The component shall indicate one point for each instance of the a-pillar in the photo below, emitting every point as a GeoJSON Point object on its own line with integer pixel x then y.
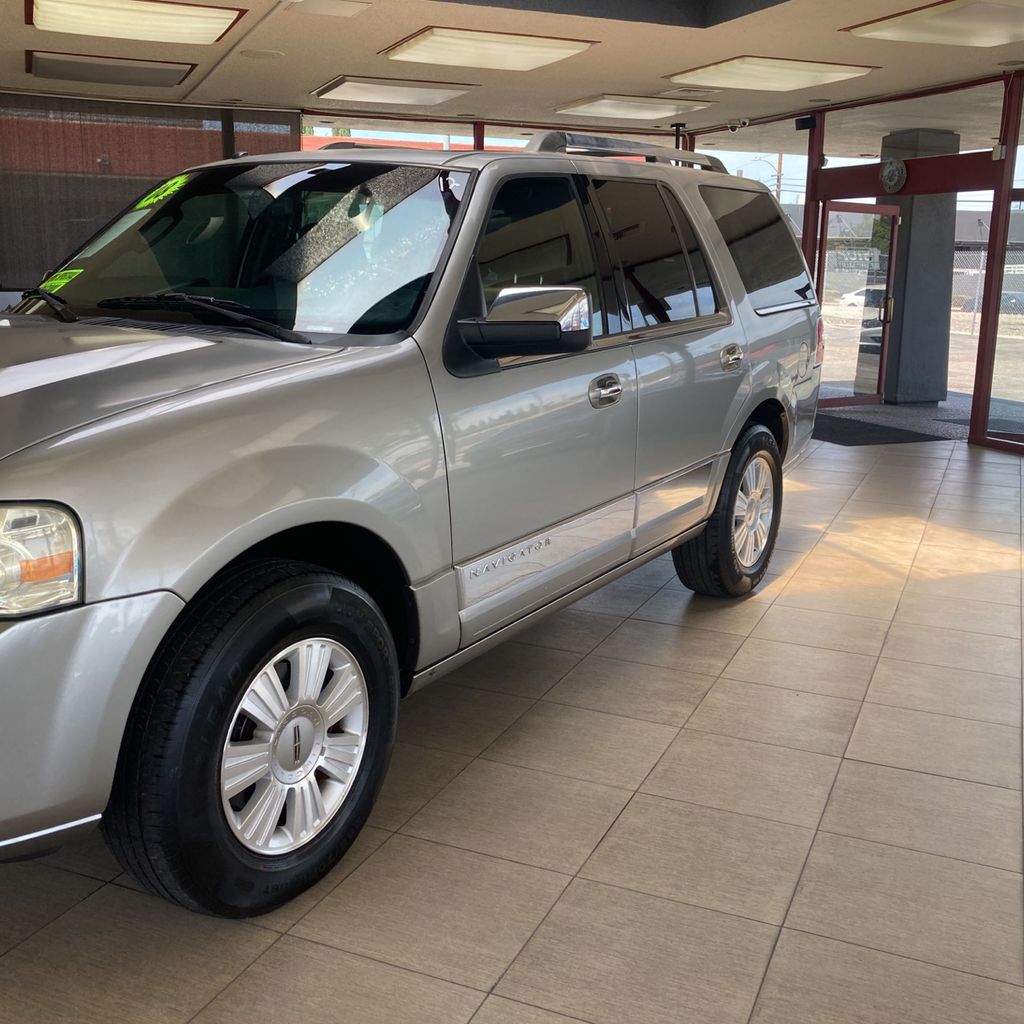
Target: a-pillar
{"type": "Point", "coordinates": [917, 366]}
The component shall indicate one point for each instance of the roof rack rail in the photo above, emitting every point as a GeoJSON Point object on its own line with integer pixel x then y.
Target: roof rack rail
{"type": "Point", "coordinates": [602, 145]}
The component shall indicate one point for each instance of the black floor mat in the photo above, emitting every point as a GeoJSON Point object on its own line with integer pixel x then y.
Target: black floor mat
{"type": "Point", "coordinates": [842, 430]}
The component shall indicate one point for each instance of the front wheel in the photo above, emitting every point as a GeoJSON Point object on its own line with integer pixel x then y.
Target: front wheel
{"type": "Point", "coordinates": [731, 556]}
{"type": "Point", "coordinates": [258, 742]}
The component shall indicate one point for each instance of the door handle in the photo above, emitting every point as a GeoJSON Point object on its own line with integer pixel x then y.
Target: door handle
{"type": "Point", "coordinates": [732, 357]}
{"type": "Point", "coordinates": [606, 390]}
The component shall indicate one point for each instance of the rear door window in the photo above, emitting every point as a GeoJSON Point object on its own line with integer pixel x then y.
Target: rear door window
{"type": "Point", "coordinates": [762, 247]}
{"type": "Point", "coordinates": [659, 288]}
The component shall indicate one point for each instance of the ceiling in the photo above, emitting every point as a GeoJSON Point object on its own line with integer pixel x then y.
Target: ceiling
{"type": "Point", "coordinates": [277, 56]}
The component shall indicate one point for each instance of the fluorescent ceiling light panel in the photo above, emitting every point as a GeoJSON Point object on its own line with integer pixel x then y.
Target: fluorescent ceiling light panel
{"type": "Point", "coordinates": [75, 67]}
{"type": "Point", "coordinates": [497, 51]}
{"type": "Point", "coordinates": [768, 74]}
{"type": "Point", "coordinates": [135, 19]}
{"type": "Point", "coordinates": [633, 108]}
{"type": "Point", "coordinates": [389, 90]}
{"type": "Point", "coordinates": [955, 23]}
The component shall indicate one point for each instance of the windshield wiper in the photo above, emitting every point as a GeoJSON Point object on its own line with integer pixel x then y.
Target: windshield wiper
{"type": "Point", "coordinates": [55, 302]}
{"type": "Point", "coordinates": [227, 309]}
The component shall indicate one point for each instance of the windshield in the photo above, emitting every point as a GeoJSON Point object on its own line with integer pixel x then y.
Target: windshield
{"type": "Point", "coordinates": [334, 247]}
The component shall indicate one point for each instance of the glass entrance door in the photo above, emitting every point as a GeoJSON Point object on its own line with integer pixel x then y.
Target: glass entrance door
{"type": "Point", "coordinates": [855, 273]}
{"type": "Point", "coordinates": [1006, 402]}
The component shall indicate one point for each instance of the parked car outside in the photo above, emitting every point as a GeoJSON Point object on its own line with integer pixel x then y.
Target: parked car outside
{"type": "Point", "coordinates": [297, 434]}
{"type": "Point", "coordinates": [1009, 302]}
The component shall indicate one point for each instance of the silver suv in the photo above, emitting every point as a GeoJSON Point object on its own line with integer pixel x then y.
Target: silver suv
{"type": "Point", "coordinates": [295, 435]}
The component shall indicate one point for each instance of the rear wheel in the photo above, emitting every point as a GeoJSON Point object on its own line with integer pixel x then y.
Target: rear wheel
{"type": "Point", "coordinates": [732, 555]}
{"type": "Point", "coordinates": [258, 742]}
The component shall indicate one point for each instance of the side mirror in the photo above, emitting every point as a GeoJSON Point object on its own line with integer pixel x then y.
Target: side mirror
{"type": "Point", "coordinates": [531, 321]}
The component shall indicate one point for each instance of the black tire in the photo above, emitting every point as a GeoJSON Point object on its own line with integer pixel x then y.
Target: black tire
{"type": "Point", "coordinates": [708, 563]}
{"type": "Point", "coordinates": [165, 821]}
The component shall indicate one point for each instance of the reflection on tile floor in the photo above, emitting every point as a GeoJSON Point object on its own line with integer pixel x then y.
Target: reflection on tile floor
{"type": "Point", "coordinates": [797, 808]}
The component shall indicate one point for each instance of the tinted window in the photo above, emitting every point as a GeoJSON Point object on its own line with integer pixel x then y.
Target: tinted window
{"type": "Point", "coordinates": [644, 239]}
{"type": "Point", "coordinates": [761, 246]}
{"type": "Point", "coordinates": [535, 236]}
{"type": "Point", "coordinates": [706, 301]}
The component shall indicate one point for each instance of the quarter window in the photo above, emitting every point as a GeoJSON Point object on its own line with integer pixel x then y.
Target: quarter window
{"type": "Point", "coordinates": [761, 246]}
{"type": "Point", "coordinates": [535, 235]}
{"type": "Point", "coordinates": [659, 289]}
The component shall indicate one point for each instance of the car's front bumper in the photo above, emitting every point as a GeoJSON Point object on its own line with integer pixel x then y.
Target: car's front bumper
{"type": "Point", "coordinates": [67, 683]}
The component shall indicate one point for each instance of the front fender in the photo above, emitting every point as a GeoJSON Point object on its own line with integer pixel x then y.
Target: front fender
{"type": "Point", "coordinates": [169, 494]}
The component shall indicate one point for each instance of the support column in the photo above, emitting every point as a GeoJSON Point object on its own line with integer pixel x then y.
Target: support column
{"type": "Point", "coordinates": [917, 367]}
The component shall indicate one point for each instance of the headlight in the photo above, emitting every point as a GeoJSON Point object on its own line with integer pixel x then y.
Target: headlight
{"type": "Point", "coordinates": [40, 562]}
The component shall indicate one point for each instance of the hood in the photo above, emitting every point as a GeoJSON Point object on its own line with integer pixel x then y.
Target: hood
{"type": "Point", "coordinates": [56, 376]}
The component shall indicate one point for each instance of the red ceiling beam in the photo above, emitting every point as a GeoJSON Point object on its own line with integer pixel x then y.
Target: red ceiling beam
{"type": "Point", "coordinates": [926, 175]}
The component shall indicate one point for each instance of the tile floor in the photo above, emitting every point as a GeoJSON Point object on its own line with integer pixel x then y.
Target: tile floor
{"type": "Point", "coordinates": [800, 808]}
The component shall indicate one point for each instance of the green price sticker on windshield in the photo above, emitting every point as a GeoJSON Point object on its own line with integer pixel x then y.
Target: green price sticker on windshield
{"type": "Point", "coordinates": [162, 192]}
{"type": "Point", "coordinates": [55, 282]}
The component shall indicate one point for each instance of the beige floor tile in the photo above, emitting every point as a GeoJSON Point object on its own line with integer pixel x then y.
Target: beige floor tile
{"type": "Point", "coordinates": [652, 643]}
{"type": "Point", "coordinates": [769, 714]}
{"type": "Point", "coordinates": [974, 489]}
{"type": "Point", "coordinates": [416, 775]}
{"type": "Point", "coordinates": [284, 918]}
{"type": "Point", "coordinates": [620, 598]}
{"type": "Point", "coordinates": [946, 691]}
{"type": "Point", "coordinates": [893, 547]}
{"type": "Point", "coordinates": [797, 538]}
{"type": "Point", "coordinates": [958, 581]}
{"type": "Point", "coordinates": [812, 669]}
{"type": "Point", "coordinates": [930, 645]}
{"type": "Point", "coordinates": [942, 911]}
{"type": "Point", "coordinates": [984, 475]}
{"type": "Point", "coordinates": [497, 1010]}
{"type": "Point", "coordinates": [850, 633]}
{"type": "Point", "coordinates": [654, 573]}
{"type": "Point", "coordinates": [571, 630]}
{"type": "Point", "coordinates": [456, 718]}
{"type": "Point", "coordinates": [86, 853]}
{"type": "Point", "coordinates": [1004, 562]}
{"type": "Point", "coordinates": [32, 895]}
{"type": "Point", "coordinates": [120, 957]}
{"type": "Point", "coordinates": [749, 778]}
{"type": "Point", "coordinates": [784, 563]}
{"type": "Point", "coordinates": [999, 522]}
{"type": "Point", "coordinates": [287, 986]}
{"type": "Point", "coordinates": [928, 813]}
{"type": "Point", "coordinates": [971, 539]}
{"type": "Point", "coordinates": [844, 566]}
{"type": "Point", "coordinates": [448, 913]}
{"type": "Point", "coordinates": [813, 980]}
{"type": "Point", "coordinates": [883, 514]}
{"type": "Point", "coordinates": [970, 502]}
{"type": "Point", "coordinates": [520, 814]}
{"type": "Point", "coordinates": [632, 690]}
{"type": "Point", "coordinates": [922, 497]}
{"type": "Point", "coordinates": [961, 614]}
{"type": "Point", "coordinates": [678, 607]}
{"type": "Point", "coordinates": [611, 956]}
{"type": "Point", "coordinates": [703, 856]}
{"type": "Point", "coordinates": [583, 744]}
{"type": "Point", "coordinates": [851, 596]}
{"type": "Point", "coordinates": [937, 744]}
{"type": "Point", "coordinates": [520, 669]}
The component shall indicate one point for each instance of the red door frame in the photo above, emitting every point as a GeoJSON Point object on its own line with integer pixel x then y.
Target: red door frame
{"type": "Point", "coordinates": [873, 209]}
{"type": "Point", "coordinates": [998, 237]}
